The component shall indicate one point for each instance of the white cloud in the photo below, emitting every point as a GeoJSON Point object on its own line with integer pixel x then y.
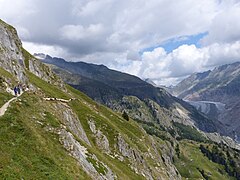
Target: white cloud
{"type": "Point", "coordinates": [39, 48]}
{"type": "Point", "coordinates": [133, 55]}
{"type": "Point", "coordinates": [127, 25]}
{"type": "Point", "coordinates": [186, 59]}
{"type": "Point", "coordinates": [90, 8]}
{"type": "Point", "coordinates": [112, 32]}
{"type": "Point", "coordinates": [23, 32]}
{"type": "Point", "coordinates": [78, 32]}
{"type": "Point", "coordinates": [153, 62]}
{"type": "Point", "coordinates": [169, 81]}
{"type": "Point", "coordinates": [15, 11]}
{"type": "Point", "coordinates": [225, 27]}
{"type": "Point", "coordinates": [219, 54]}
{"type": "Point", "coordinates": [169, 68]}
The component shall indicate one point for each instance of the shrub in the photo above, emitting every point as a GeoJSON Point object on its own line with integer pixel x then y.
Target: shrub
{"type": "Point", "coordinates": [125, 116]}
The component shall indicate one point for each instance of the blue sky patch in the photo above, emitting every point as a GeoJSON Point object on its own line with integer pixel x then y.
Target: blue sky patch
{"type": "Point", "coordinates": [174, 43]}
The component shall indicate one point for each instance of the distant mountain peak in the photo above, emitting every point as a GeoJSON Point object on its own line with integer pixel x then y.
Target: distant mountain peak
{"type": "Point", "coordinates": [149, 81]}
{"type": "Point", "coordinates": [40, 55]}
{"type": "Point", "coordinates": [225, 66]}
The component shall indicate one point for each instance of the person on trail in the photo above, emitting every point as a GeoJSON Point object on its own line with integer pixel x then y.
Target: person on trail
{"type": "Point", "coordinates": [23, 87]}
{"type": "Point", "coordinates": [15, 91]}
{"type": "Point", "coordinates": [18, 90]}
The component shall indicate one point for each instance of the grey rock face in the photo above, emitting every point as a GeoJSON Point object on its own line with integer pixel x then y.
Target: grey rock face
{"type": "Point", "coordinates": [11, 57]}
{"type": "Point", "coordinates": [81, 154]}
{"type": "Point", "coordinates": [71, 121]}
{"type": "Point", "coordinates": [101, 139]}
{"type": "Point", "coordinates": [127, 151]}
{"type": "Point", "coordinates": [223, 139]}
{"type": "Point", "coordinates": [44, 72]}
{"type": "Point", "coordinates": [164, 169]}
{"type": "Point", "coordinates": [138, 163]}
{"type": "Point", "coordinates": [166, 158]}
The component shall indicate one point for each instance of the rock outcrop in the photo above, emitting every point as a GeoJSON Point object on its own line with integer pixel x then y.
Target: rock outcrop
{"type": "Point", "coordinates": [16, 60]}
{"type": "Point", "coordinates": [69, 119]}
{"type": "Point", "coordinates": [101, 140]}
{"type": "Point", "coordinates": [11, 56]}
{"type": "Point", "coordinates": [80, 153]}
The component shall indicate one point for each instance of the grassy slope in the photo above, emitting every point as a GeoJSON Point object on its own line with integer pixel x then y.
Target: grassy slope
{"type": "Point", "coordinates": [4, 97]}
{"type": "Point", "coordinates": [28, 151]}
{"type": "Point", "coordinates": [84, 108]}
{"type": "Point", "coordinates": [49, 90]}
{"type": "Point", "coordinates": [191, 160]}
{"type": "Point", "coordinates": [109, 122]}
{"type": "Point", "coordinates": [5, 73]}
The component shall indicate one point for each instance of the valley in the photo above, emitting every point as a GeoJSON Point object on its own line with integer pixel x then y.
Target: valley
{"type": "Point", "coordinates": [219, 86]}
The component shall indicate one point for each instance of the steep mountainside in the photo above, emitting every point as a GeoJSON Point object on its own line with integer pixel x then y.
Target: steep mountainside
{"type": "Point", "coordinates": [117, 90]}
{"type": "Point", "coordinates": [217, 94]}
{"type": "Point", "coordinates": [52, 131]}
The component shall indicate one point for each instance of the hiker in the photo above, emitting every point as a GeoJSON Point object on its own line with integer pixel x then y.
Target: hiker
{"type": "Point", "coordinates": [15, 91]}
{"type": "Point", "coordinates": [18, 89]}
{"type": "Point", "coordinates": [23, 87]}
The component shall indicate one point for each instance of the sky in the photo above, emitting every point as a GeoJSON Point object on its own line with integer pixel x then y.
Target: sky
{"type": "Point", "coordinates": [164, 40]}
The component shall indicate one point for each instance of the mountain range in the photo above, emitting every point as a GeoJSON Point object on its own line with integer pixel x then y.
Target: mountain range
{"type": "Point", "coordinates": [216, 93]}
{"type": "Point", "coordinates": [121, 91]}
{"type": "Point", "coordinates": [54, 131]}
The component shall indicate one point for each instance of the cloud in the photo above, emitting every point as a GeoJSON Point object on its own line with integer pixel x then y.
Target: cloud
{"type": "Point", "coordinates": [15, 11]}
{"type": "Point", "coordinates": [169, 68]}
{"type": "Point", "coordinates": [117, 33]}
{"type": "Point", "coordinates": [219, 54]}
{"type": "Point", "coordinates": [133, 55]}
{"type": "Point", "coordinates": [110, 25]}
{"type": "Point", "coordinates": [78, 32]}
{"type": "Point", "coordinates": [225, 27]}
{"type": "Point", "coordinates": [53, 50]}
